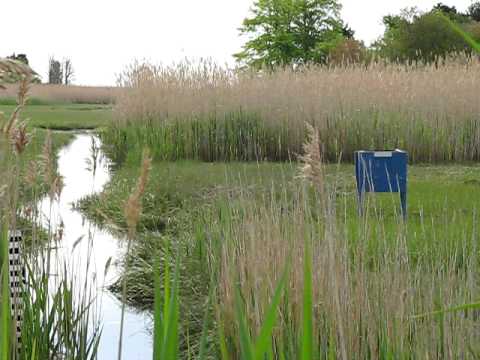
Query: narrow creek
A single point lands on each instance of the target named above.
(90, 255)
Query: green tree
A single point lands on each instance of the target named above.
(474, 11)
(291, 32)
(413, 36)
(55, 71)
(452, 13)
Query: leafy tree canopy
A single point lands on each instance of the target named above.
(474, 11)
(427, 37)
(291, 32)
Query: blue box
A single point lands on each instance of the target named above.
(382, 171)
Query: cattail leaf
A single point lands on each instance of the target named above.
(464, 307)
(202, 354)
(170, 342)
(245, 339)
(223, 342)
(157, 315)
(263, 341)
(307, 326)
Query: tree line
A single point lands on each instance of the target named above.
(60, 72)
(300, 32)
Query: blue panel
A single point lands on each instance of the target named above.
(381, 171)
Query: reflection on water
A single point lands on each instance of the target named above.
(88, 250)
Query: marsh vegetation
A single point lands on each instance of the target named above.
(240, 231)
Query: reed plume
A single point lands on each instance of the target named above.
(132, 211)
(203, 111)
(133, 205)
(47, 160)
(20, 137)
(312, 168)
(11, 70)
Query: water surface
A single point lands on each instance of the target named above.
(89, 256)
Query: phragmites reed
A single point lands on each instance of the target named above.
(20, 138)
(48, 169)
(12, 70)
(132, 211)
(133, 205)
(22, 98)
(312, 167)
(15, 71)
(211, 113)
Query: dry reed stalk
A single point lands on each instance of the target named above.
(433, 112)
(133, 205)
(47, 162)
(21, 101)
(313, 168)
(361, 307)
(13, 70)
(132, 211)
(184, 89)
(20, 137)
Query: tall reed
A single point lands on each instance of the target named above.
(363, 300)
(203, 111)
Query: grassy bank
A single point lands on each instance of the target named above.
(64, 116)
(235, 225)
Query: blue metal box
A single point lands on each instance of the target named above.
(382, 171)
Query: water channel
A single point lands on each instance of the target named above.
(90, 255)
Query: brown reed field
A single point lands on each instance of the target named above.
(54, 94)
(203, 111)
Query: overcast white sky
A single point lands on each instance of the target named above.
(102, 36)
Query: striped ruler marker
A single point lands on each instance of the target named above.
(16, 270)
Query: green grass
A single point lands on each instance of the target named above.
(435, 192)
(243, 136)
(8, 101)
(174, 186)
(193, 206)
(64, 116)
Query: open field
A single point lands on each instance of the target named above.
(65, 116)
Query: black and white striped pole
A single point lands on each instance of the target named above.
(16, 270)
